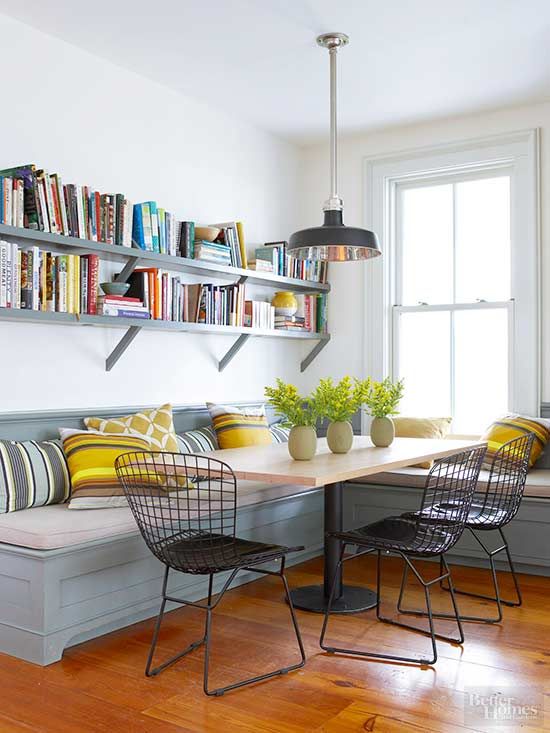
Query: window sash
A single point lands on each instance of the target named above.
(508, 305)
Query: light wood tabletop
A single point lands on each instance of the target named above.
(273, 464)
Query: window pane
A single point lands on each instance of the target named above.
(482, 217)
(481, 368)
(427, 244)
(424, 356)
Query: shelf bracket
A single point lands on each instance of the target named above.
(121, 347)
(127, 270)
(233, 351)
(242, 279)
(314, 353)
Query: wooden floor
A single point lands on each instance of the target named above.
(100, 686)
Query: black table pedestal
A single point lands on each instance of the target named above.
(347, 598)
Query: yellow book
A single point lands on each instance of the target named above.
(242, 244)
(76, 284)
(43, 278)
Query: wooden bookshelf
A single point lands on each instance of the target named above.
(135, 257)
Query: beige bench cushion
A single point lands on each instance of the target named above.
(55, 526)
(537, 484)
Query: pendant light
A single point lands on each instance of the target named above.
(333, 241)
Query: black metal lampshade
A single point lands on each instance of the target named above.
(334, 242)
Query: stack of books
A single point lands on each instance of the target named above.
(311, 315)
(212, 252)
(232, 235)
(273, 257)
(259, 314)
(36, 199)
(32, 279)
(121, 306)
(290, 323)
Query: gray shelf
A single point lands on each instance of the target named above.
(134, 326)
(138, 257)
(133, 257)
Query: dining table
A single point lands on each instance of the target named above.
(329, 471)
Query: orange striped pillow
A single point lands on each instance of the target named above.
(513, 426)
(239, 428)
(91, 459)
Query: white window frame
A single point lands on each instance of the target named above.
(517, 152)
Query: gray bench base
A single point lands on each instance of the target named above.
(528, 534)
(53, 599)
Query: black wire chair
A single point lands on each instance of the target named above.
(490, 511)
(421, 535)
(185, 507)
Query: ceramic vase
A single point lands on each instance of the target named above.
(285, 303)
(382, 431)
(340, 436)
(302, 442)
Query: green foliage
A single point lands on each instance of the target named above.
(339, 402)
(383, 397)
(291, 406)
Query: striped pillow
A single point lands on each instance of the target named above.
(513, 426)
(197, 441)
(91, 458)
(278, 433)
(32, 474)
(239, 428)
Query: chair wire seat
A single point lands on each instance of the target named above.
(493, 510)
(426, 533)
(185, 506)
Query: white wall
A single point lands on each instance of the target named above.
(344, 354)
(97, 124)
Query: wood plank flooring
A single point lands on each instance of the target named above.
(99, 686)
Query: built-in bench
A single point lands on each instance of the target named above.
(71, 575)
(374, 497)
(68, 575)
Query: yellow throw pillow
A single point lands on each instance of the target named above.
(91, 459)
(239, 428)
(422, 427)
(155, 425)
(512, 426)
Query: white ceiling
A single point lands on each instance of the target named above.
(407, 61)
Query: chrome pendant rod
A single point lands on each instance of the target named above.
(332, 42)
(333, 51)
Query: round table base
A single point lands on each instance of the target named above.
(353, 599)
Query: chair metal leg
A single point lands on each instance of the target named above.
(496, 598)
(206, 640)
(373, 655)
(194, 645)
(283, 670)
(457, 616)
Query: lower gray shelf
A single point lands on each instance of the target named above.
(134, 325)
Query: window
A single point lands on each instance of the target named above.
(453, 312)
(452, 305)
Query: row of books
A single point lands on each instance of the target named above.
(273, 257)
(35, 199)
(228, 248)
(33, 279)
(310, 316)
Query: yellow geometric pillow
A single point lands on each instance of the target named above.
(422, 427)
(91, 459)
(513, 426)
(239, 428)
(156, 425)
